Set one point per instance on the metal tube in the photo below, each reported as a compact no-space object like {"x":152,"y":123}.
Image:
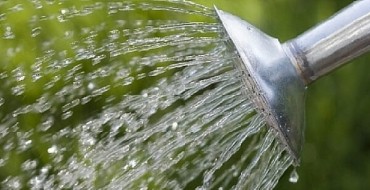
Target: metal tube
{"x":327,"y":46}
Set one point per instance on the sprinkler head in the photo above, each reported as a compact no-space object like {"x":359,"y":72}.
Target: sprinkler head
{"x":277,"y":89}
{"x":278,"y":73}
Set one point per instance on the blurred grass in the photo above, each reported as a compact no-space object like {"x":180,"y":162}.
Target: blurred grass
{"x":337,"y":150}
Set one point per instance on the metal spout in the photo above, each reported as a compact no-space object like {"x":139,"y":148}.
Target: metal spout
{"x":279,"y":90}
{"x":278,"y":73}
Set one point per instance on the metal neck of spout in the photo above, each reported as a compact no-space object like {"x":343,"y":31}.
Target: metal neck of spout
{"x":332,"y":43}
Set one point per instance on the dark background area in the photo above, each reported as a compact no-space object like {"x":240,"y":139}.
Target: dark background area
{"x":336,"y":152}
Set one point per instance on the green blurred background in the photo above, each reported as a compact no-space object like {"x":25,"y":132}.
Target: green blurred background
{"x":336,"y":152}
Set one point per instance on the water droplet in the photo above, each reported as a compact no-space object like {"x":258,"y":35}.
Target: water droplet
{"x":16,"y":8}
{"x":2,"y":16}
{"x":89,"y":141}
{"x":132,"y":163}
{"x":114,"y":34}
{"x":36,"y":182}
{"x":91,"y":86}
{"x":63,"y":11}
{"x":53,"y":149}
{"x":3,"y":75}
{"x":86,"y":100}
{"x":29,"y":165}
{"x":8,"y":33}
{"x":42,"y":105}
{"x":294,"y":176}
{"x":38,"y":5}
{"x":18,"y":74}
{"x":66,"y":115}
{"x":47,"y":124}
{"x":36,"y":76}
{"x":2,"y":101}
{"x":18,"y":90}
{"x":24,"y":145}
{"x":174,"y":126}
{"x":61,"y":18}
{"x":44,"y":169}
{"x":127,"y":81}
{"x":2,"y":162}
{"x":68,"y":34}
{"x":12,"y":183}
{"x":35,"y":32}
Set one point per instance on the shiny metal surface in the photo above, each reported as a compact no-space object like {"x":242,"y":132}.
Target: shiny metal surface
{"x":338,"y":40}
{"x":279,"y":90}
{"x":278,"y":73}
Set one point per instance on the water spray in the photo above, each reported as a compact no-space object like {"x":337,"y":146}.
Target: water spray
{"x":278,"y":73}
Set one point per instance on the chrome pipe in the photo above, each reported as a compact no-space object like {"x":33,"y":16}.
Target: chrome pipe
{"x":332,"y":43}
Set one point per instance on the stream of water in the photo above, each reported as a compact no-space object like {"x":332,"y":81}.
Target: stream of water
{"x":127,"y":95}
